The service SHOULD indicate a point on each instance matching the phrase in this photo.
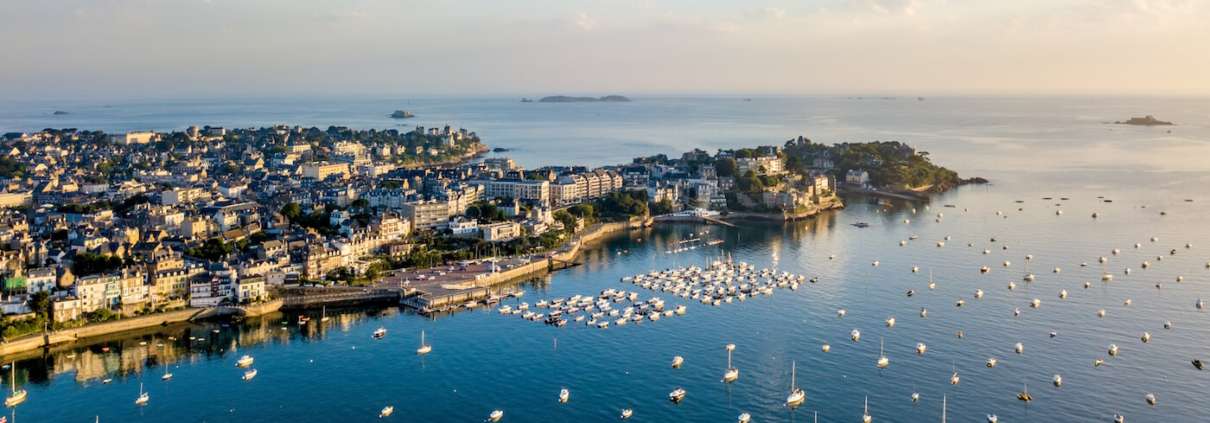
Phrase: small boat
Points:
(323, 317)
(677, 395)
(379, 333)
(1024, 395)
(167, 374)
(564, 396)
(883, 362)
(991, 418)
(1198, 364)
(19, 395)
(865, 415)
(143, 397)
(424, 348)
(626, 413)
(732, 373)
(495, 416)
(1118, 418)
(915, 397)
(745, 418)
(855, 335)
(244, 361)
(677, 361)
(386, 411)
(991, 362)
(248, 375)
(1150, 398)
(1058, 381)
(797, 395)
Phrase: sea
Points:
(1042, 155)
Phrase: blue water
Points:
(1031, 148)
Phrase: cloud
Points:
(774, 13)
(585, 22)
(891, 7)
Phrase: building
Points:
(464, 227)
(139, 137)
(857, 177)
(322, 170)
(431, 214)
(250, 290)
(768, 165)
(518, 189)
(503, 231)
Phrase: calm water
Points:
(483, 361)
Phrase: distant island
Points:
(402, 114)
(568, 99)
(1148, 120)
(59, 113)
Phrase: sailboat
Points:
(883, 362)
(732, 373)
(323, 314)
(143, 398)
(865, 415)
(167, 374)
(1024, 395)
(18, 396)
(424, 348)
(797, 396)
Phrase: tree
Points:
(725, 167)
(213, 249)
(291, 211)
(85, 264)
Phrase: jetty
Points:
(694, 216)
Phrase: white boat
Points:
(386, 411)
(424, 348)
(865, 415)
(248, 375)
(883, 361)
(495, 416)
(17, 396)
(677, 395)
(626, 413)
(143, 397)
(921, 348)
(1058, 381)
(855, 335)
(732, 373)
(677, 361)
(244, 361)
(797, 396)
(564, 396)
(745, 418)
(323, 317)
(167, 374)
(379, 333)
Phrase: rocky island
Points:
(402, 114)
(569, 99)
(1148, 120)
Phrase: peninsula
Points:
(1148, 120)
(568, 99)
(145, 228)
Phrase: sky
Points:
(215, 48)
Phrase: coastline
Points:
(62, 338)
(438, 298)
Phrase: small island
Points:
(59, 113)
(402, 114)
(1148, 120)
(568, 99)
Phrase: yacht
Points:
(244, 361)
(379, 333)
(386, 411)
(564, 396)
(424, 348)
(677, 395)
(745, 418)
(626, 413)
(797, 396)
(677, 361)
(495, 416)
(248, 375)
(1058, 381)
(865, 415)
(883, 361)
(732, 373)
(19, 395)
(143, 398)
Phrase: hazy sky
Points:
(171, 48)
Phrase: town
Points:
(100, 227)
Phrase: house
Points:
(857, 177)
(503, 231)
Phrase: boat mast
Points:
(943, 408)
